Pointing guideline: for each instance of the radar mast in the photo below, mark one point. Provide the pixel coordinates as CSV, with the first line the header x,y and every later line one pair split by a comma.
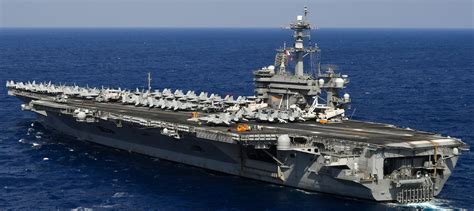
x,y
302,31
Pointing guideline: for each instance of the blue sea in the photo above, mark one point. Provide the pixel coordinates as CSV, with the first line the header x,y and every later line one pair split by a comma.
x,y
421,79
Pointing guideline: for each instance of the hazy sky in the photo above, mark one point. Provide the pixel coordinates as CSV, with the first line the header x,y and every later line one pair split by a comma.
x,y
236,13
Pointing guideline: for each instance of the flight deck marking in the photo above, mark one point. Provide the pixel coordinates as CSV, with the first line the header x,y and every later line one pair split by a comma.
x,y
328,133
359,130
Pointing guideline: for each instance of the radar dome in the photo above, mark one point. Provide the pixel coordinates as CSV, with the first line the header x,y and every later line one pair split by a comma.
x,y
321,82
339,82
283,142
455,151
347,97
81,115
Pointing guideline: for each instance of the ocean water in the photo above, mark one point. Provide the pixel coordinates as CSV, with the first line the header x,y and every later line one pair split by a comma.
x,y
421,79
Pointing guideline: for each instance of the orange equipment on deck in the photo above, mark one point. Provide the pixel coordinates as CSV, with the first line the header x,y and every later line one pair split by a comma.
x,y
243,127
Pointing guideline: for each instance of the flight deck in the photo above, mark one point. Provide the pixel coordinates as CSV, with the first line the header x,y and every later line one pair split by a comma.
x,y
349,130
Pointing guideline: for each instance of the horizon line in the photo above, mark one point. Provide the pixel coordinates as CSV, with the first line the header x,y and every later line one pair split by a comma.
x,y
220,27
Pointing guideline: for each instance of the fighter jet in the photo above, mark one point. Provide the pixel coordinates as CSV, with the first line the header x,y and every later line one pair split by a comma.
x,y
238,116
88,93
190,96
217,119
151,101
261,116
168,94
178,94
248,113
157,94
10,84
233,108
203,96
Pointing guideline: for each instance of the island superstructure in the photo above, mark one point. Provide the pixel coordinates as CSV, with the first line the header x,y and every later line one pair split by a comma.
x,y
293,132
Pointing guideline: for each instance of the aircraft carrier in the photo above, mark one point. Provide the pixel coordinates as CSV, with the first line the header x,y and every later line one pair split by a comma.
x,y
293,132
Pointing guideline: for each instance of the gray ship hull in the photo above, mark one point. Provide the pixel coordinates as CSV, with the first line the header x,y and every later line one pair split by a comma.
x,y
352,159
221,157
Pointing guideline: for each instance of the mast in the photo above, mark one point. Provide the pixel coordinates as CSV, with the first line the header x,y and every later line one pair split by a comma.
x,y
149,81
301,26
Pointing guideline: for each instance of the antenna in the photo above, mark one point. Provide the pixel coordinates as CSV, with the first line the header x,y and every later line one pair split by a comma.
x,y
305,12
353,112
149,81
319,62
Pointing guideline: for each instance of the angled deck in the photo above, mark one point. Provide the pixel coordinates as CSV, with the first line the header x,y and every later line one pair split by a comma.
x,y
367,132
